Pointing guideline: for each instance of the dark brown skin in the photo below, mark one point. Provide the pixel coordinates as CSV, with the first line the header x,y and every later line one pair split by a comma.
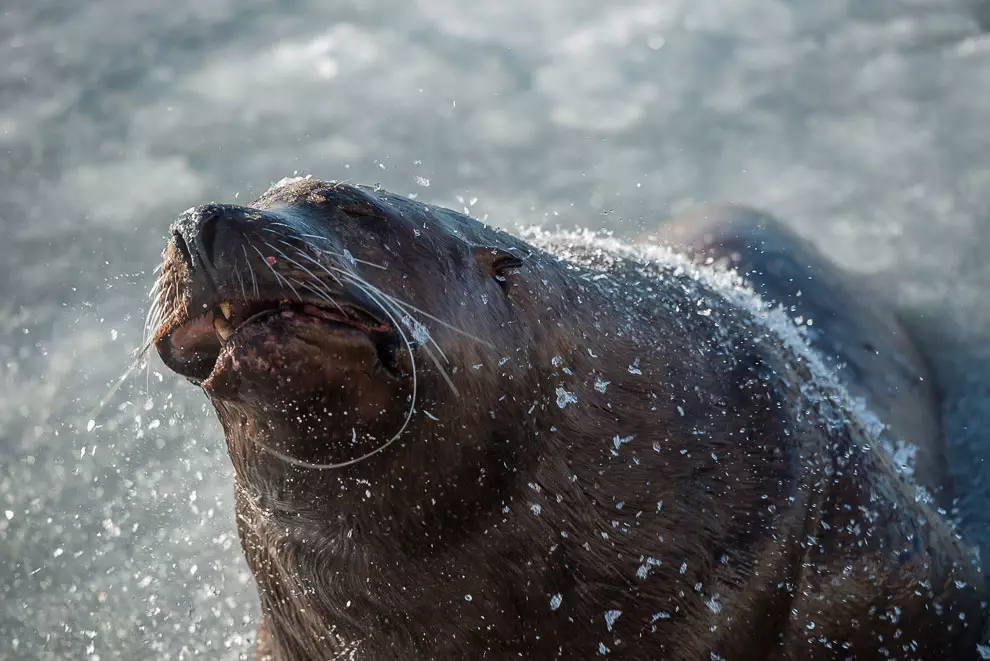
x,y
620,442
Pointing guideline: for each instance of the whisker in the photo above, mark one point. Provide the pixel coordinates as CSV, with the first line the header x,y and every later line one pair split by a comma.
x,y
322,266
410,307
240,281
254,280
443,372
154,287
402,304
277,275
323,295
151,323
150,316
138,359
155,295
349,257
304,269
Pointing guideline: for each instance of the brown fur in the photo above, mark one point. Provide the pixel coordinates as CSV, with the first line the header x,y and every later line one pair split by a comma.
x,y
711,492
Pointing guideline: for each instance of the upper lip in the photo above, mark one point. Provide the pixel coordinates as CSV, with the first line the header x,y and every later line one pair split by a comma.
x,y
227,316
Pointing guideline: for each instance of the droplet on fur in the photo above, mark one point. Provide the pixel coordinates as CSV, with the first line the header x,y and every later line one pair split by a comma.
x,y
564,398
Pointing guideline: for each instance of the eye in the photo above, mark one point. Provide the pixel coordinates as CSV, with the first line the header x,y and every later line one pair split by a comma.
x,y
505,265
499,264
359,209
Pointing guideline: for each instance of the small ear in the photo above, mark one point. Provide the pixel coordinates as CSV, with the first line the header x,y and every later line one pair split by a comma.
x,y
498,263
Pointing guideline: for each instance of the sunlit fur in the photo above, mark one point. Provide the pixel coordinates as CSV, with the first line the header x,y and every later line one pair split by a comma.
x,y
626,440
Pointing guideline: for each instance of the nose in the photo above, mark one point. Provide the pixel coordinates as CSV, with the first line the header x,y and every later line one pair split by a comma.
x,y
195,233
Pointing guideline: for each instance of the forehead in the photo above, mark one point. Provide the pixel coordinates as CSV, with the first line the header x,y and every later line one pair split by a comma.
x,y
319,200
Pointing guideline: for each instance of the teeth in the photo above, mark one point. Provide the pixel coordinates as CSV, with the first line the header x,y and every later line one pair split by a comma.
x,y
223,329
226,309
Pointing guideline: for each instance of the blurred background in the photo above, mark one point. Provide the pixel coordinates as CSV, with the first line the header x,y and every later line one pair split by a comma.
x,y
862,124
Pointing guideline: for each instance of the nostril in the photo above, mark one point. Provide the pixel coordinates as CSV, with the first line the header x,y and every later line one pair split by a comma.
x,y
180,245
207,230
200,233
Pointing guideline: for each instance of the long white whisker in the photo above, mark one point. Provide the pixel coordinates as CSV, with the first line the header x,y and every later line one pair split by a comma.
x,y
154,287
322,294
151,315
139,358
240,281
254,280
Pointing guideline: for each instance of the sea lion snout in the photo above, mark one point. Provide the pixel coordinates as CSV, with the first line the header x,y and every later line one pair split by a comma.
x,y
206,235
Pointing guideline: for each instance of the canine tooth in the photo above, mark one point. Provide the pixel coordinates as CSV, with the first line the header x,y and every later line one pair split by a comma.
x,y
223,329
226,308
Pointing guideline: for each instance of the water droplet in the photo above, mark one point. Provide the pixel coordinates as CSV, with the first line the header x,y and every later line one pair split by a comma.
x,y
619,441
564,398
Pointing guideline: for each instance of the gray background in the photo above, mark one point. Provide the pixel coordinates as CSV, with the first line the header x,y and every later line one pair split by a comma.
x,y
863,124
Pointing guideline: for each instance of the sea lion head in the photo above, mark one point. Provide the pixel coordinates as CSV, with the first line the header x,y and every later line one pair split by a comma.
x,y
337,326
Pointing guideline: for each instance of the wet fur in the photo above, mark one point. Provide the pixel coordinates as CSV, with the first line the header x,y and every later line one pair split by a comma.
x,y
703,497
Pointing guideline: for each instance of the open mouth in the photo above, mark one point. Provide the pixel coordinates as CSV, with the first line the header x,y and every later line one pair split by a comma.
x,y
192,347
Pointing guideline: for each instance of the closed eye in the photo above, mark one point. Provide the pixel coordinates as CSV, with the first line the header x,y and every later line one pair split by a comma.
x,y
504,266
505,262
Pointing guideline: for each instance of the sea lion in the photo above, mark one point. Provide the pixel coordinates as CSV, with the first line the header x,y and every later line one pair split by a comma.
x,y
450,442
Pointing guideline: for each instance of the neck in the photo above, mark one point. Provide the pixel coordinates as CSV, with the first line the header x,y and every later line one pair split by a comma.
x,y
363,568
